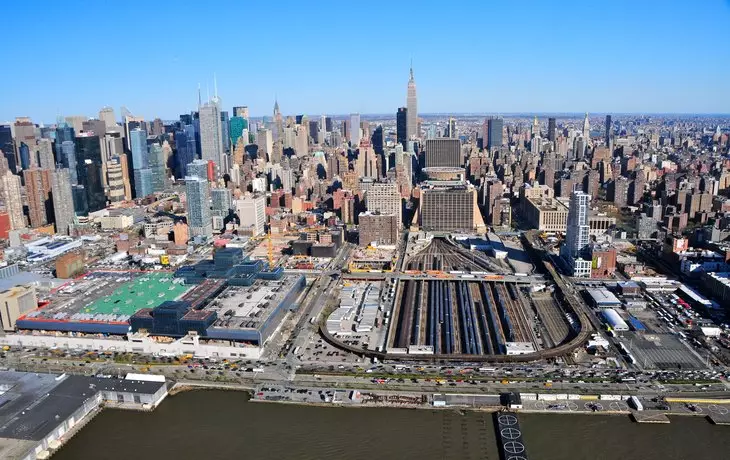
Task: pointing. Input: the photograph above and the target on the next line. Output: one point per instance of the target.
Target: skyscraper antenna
(200, 102)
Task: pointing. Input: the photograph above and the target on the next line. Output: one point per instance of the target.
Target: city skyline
(618, 60)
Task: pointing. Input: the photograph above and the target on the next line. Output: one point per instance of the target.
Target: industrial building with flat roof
(546, 213)
(38, 410)
(233, 299)
(103, 302)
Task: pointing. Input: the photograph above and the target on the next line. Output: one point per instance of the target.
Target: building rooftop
(109, 297)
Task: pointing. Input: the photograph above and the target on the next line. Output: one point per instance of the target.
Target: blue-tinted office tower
(64, 133)
(185, 150)
(89, 170)
(235, 131)
(225, 131)
(67, 158)
(494, 127)
(81, 205)
(24, 152)
(6, 145)
(143, 182)
(158, 167)
(138, 144)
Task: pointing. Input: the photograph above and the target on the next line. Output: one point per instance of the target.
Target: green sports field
(146, 291)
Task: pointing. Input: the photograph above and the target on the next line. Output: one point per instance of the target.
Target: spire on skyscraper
(411, 69)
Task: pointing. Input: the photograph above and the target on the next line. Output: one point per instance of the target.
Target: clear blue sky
(335, 57)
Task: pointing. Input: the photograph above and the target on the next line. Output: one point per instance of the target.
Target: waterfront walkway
(509, 435)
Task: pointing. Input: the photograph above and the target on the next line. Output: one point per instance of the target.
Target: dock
(649, 416)
(509, 434)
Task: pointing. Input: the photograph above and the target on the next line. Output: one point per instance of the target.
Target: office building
(24, 133)
(450, 209)
(251, 210)
(354, 129)
(211, 134)
(451, 129)
(225, 131)
(185, 148)
(198, 207)
(608, 130)
(44, 153)
(106, 114)
(577, 235)
(443, 152)
(402, 126)
(384, 198)
(6, 145)
(63, 201)
(265, 142)
(236, 127)
(586, 130)
(89, 170)
(10, 190)
(68, 159)
(494, 127)
(140, 156)
(378, 228)
(552, 129)
(143, 183)
(412, 109)
(115, 179)
(24, 156)
(157, 167)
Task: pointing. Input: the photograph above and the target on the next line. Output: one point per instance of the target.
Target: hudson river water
(213, 425)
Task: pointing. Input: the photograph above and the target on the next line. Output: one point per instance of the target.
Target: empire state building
(412, 109)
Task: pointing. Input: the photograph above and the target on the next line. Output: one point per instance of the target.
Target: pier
(509, 436)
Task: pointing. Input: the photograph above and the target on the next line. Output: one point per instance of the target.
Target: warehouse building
(38, 410)
(603, 298)
(614, 320)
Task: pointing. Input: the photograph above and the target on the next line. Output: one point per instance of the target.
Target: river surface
(216, 425)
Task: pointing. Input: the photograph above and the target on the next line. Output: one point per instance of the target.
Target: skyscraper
(10, 190)
(608, 130)
(68, 159)
(143, 183)
(185, 149)
(577, 235)
(452, 128)
(354, 130)
(211, 133)
(115, 180)
(44, 150)
(495, 127)
(198, 209)
(225, 126)
(402, 126)
(551, 129)
(38, 192)
(412, 107)
(63, 202)
(89, 170)
(157, 167)
(586, 129)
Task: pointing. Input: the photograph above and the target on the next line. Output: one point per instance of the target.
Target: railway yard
(472, 315)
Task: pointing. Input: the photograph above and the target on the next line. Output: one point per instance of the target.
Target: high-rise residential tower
(63, 203)
(412, 106)
(198, 208)
(577, 235)
(10, 191)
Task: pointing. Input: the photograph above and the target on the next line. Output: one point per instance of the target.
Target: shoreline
(180, 388)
